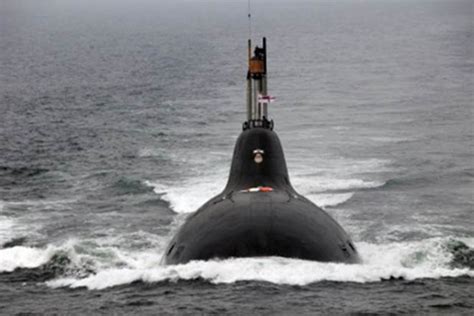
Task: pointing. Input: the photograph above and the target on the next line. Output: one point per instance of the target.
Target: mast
(257, 98)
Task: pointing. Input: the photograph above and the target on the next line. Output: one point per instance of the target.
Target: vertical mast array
(257, 99)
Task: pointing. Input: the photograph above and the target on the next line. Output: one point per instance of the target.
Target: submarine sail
(259, 213)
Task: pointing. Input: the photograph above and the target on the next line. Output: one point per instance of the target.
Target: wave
(6, 227)
(125, 186)
(325, 200)
(409, 261)
(16, 226)
(11, 233)
(191, 194)
(24, 257)
(328, 187)
(94, 266)
(326, 184)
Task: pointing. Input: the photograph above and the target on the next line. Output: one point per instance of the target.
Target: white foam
(89, 254)
(411, 260)
(326, 200)
(24, 257)
(191, 194)
(339, 174)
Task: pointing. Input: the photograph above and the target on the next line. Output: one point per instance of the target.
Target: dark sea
(118, 119)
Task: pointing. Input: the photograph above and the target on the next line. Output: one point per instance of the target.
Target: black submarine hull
(243, 221)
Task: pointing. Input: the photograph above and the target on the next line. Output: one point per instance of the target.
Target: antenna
(250, 20)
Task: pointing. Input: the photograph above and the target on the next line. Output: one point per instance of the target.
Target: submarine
(259, 213)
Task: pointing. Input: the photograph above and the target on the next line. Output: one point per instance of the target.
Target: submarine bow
(259, 213)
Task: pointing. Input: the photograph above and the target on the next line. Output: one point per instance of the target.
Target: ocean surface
(118, 119)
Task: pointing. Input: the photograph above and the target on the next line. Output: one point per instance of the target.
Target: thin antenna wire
(250, 21)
